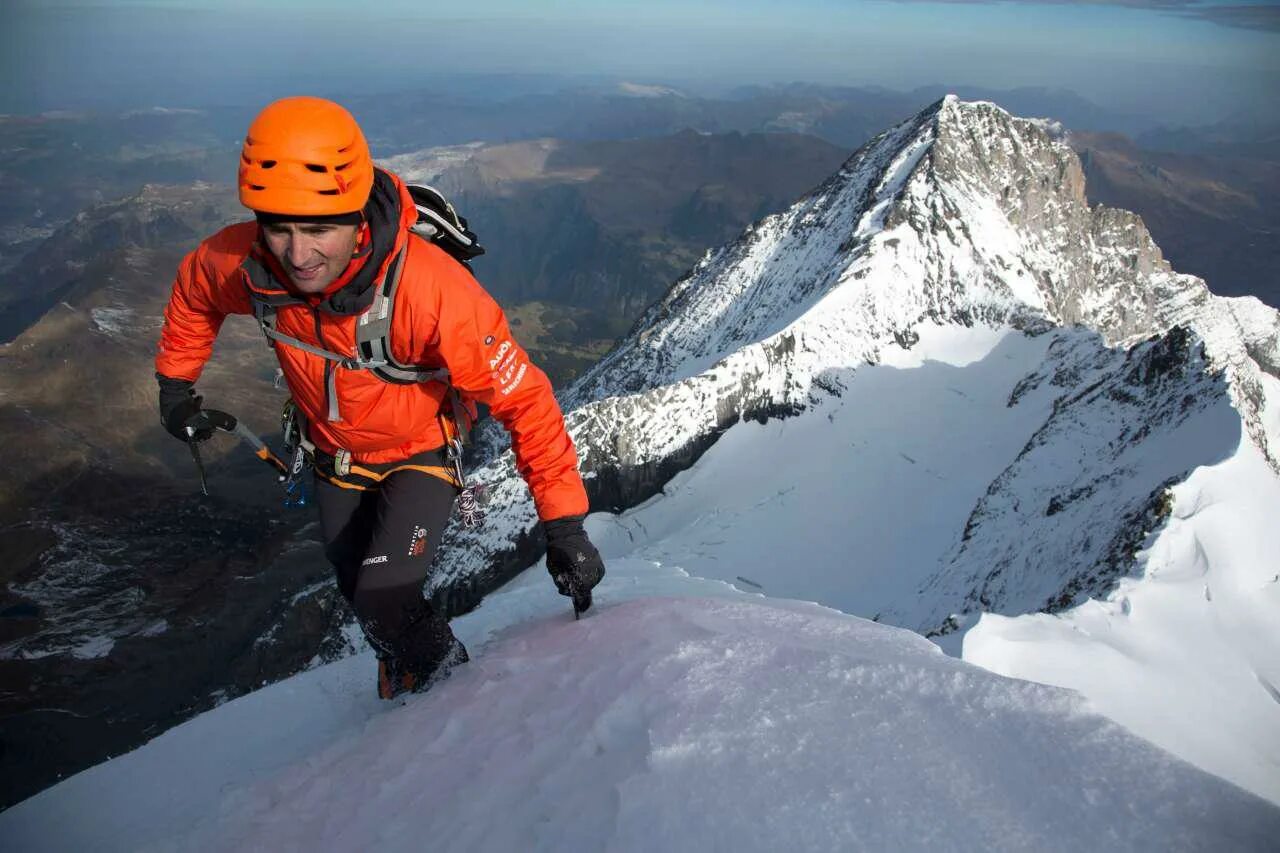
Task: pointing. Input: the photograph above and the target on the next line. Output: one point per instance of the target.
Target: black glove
(180, 409)
(574, 563)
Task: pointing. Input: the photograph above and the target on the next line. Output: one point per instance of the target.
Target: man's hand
(184, 417)
(574, 563)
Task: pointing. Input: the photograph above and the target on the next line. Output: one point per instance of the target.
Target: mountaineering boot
(394, 678)
(410, 637)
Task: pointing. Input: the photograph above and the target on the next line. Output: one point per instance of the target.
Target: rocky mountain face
(77, 257)
(963, 215)
(127, 601)
(1214, 212)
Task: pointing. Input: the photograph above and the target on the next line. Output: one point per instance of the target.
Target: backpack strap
(373, 334)
(373, 345)
(373, 350)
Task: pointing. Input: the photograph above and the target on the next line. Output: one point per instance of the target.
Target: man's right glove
(183, 416)
(574, 563)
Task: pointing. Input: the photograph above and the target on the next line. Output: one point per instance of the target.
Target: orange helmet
(305, 156)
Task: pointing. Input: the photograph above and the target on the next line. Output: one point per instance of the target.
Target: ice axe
(207, 420)
(581, 599)
(581, 603)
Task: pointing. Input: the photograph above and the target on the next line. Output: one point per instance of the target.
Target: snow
(161, 111)
(891, 185)
(94, 647)
(645, 90)
(865, 494)
(1188, 653)
(928, 487)
(112, 320)
(429, 164)
(678, 715)
(863, 502)
(155, 629)
(79, 618)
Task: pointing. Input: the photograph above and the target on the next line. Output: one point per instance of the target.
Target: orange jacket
(442, 318)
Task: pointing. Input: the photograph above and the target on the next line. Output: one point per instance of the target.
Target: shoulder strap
(373, 327)
(373, 334)
(266, 297)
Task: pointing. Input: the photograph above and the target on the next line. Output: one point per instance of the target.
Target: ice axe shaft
(228, 423)
(195, 454)
(261, 450)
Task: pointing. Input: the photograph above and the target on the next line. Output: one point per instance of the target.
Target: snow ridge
(961, 215)
(687, 723)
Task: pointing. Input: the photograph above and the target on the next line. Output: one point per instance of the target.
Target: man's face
(313, 254)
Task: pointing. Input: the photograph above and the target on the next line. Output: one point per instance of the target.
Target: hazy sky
(1178, 57)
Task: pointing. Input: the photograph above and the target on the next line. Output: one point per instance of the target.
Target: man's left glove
(574, 563)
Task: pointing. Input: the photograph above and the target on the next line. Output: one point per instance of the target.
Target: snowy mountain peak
(961, 214)
(978, 397)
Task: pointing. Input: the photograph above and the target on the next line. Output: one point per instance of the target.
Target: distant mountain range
(57, 164)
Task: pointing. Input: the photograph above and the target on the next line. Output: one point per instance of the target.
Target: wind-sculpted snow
(1090, 484)
(690, 723)
(1186, 653)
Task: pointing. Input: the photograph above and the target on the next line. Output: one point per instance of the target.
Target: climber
(328, 257)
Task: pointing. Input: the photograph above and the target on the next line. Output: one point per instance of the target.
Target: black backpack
(439, 223)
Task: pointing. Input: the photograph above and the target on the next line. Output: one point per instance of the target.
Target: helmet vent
(268, 164)
(316, 167)
(256, 187)
(328, 192)
(343, 166)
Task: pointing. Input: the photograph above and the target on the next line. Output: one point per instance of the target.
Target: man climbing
(386, 343)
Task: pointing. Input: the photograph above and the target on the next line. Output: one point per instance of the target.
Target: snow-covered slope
(961, 215)
(1187, 653)
(919, 492)
(997, 400)
(690, 722)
